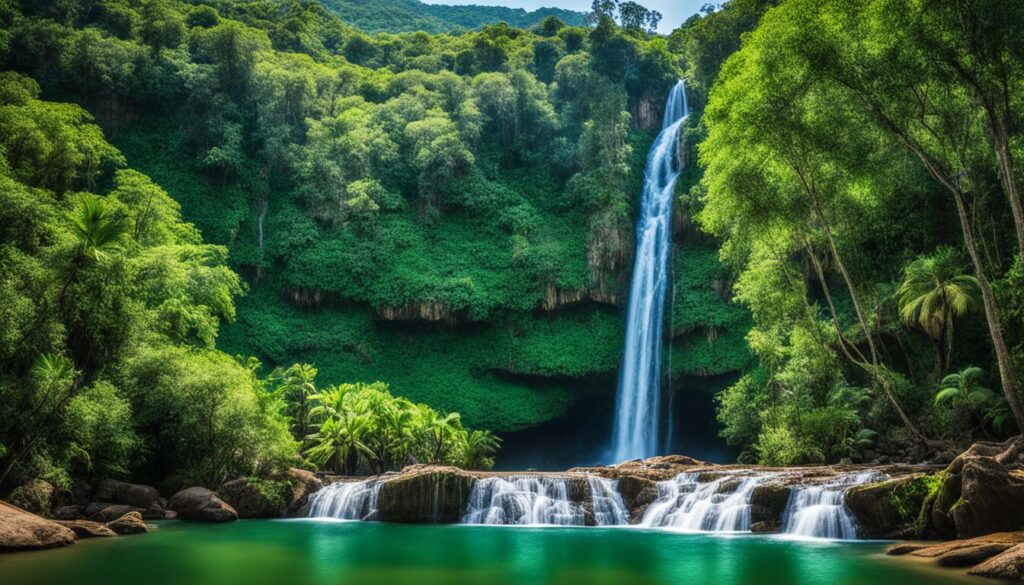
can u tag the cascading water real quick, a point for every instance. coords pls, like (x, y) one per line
(522, 500)
(722, 505)
(351, 500)
(819, 511)
(609, 509)
(637, 418)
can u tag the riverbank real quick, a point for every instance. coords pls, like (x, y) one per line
(980, 493)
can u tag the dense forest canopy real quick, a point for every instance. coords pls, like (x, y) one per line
(389, 229)
(449, 214)
(398, 16)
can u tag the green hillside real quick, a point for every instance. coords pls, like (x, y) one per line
(398, 16)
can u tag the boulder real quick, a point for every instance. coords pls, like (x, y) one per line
(425, 494)
(81, 493)
(991, 499)
(36, 496)
(890, 509)
(103, 512)
(305, 483)
(198, 504)
(130, 494)
(256, 498)
(70, 513)
(87, 529)
(130, 523)
(1009, 565)
(21, 530)
(637, 494)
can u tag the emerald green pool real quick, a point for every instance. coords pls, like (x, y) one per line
(303, 551)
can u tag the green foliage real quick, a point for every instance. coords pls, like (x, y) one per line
(397, 16)
(364, 423)
(913, 498)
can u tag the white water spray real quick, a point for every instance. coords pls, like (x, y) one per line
(819, 511)
(609, 509)
(722, 505)
(350, 500)
(523, 500)
(637, 407)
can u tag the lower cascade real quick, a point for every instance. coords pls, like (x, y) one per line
(523, 500)
(351, 500)
(722, 505)
(609, 509)
(819, 511)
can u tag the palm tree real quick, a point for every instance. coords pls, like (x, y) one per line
(935, 291)
(97, 229)
(478, 446)
(297, 385)
(338, 443)
(439, 430)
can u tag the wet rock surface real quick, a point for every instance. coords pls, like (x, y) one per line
(198, 504)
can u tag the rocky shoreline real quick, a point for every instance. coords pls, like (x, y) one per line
(975, 503)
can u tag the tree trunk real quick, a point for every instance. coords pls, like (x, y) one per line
(1006, 371)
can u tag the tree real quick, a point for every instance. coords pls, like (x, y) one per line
(297, 386)
(935, 293)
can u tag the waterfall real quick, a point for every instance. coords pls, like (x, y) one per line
(819, 511)
(609, 509)
(722, 505)
(350, 500)
(635, 433)
(522, 500)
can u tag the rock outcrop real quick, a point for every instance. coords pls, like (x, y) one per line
(21, 530)
(103, 512)
(87, 529)
(1008, 565)
(304, 484)
(890, 509)
(999, 555)
(256, 499)
(982, 492)
(425, 494)
(129, 494)
(198, 504)
(130, 523)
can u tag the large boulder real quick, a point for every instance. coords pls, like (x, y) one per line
(87, 529)
(304, 484)
(21, 530)
(37, 496)
(130, 494)
(425, 494)
(981, 492)
(103, 512)
(254, 498)
(991, 499)
(130, 523)
(890, 509)
(198, 504)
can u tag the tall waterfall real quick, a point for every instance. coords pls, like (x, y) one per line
(637, 417)
(609, 509)
(351, 500)
(819, 511)
(523, 500)
(722, 505)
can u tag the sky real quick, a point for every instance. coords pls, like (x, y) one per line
(674, 12)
